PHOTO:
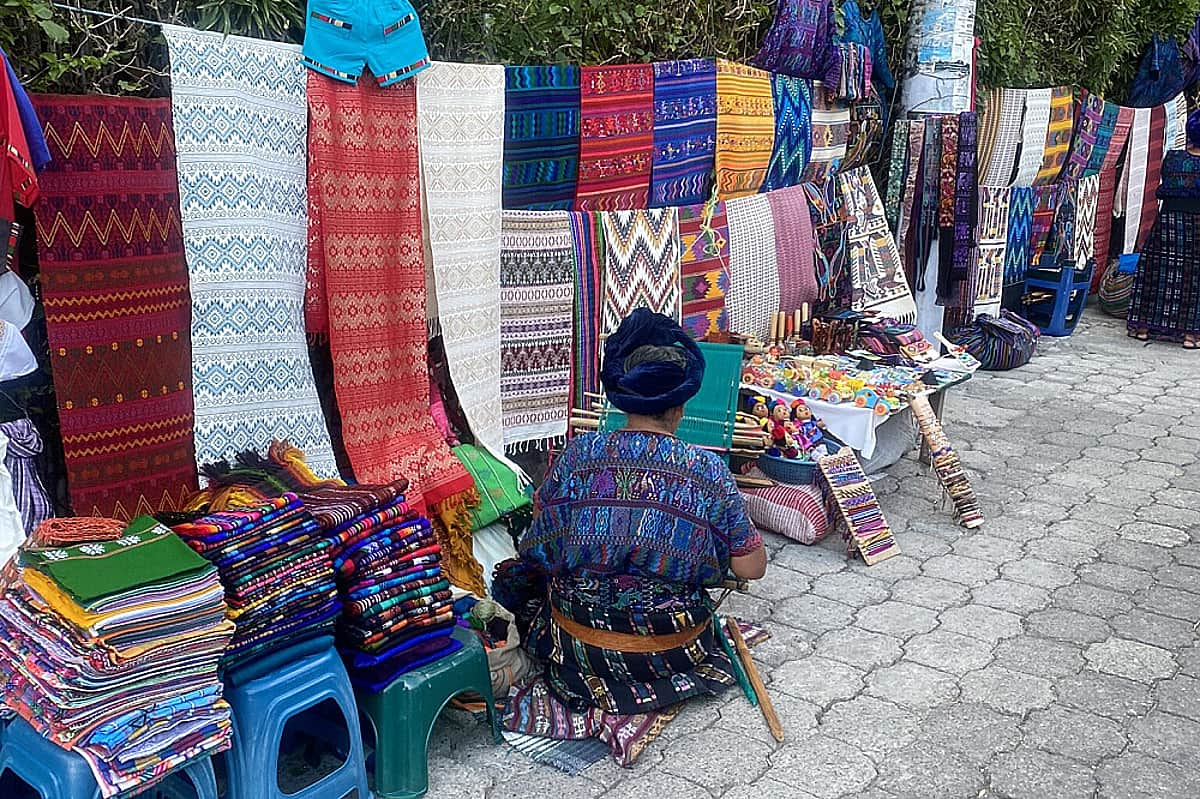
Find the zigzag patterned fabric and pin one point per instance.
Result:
(876, 274)
(115, 286)
(587, 239)
(366, 215)
(541, 137)
(1087, 194)
(1020, 226)
(830, 134)
(1058, 134)
(616, 131)
(460, 121)
(704, 270)
(753, 270)
(745, 129)
(240, 125)
(641, 264)
(685, 132)
(794, 245)
(537, 299)
(793, 131)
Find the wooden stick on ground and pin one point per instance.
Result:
(764, 699)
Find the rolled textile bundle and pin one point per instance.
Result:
(83, 623)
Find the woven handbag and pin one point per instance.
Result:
(999, 343)
(500, 491)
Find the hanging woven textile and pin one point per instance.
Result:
(745, 129)
(1160, 75)
(1136, 177)
(240, 124)
(864, 134)
(1046, 200)
(642, 256)
(993, 240)
(1020, 224)
(118, 313)
(1087, 135)
(1058, 134)
(460, 124)
(587, 239)
(685, 132)
(1033, 136)
(1118, 136)
(753, 272)
(910, 209)
(704, 269)
(1086, 193)
(830, 133)
(616, 137)
(363, 154)
(965, 207)
(1002, 156)
(798, 41)
(876, 274)
(793, 248)
(830, 252)
(537, 292)
(541, 137)
(793, 131)
(895, 174)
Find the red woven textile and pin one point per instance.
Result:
(616, 137)
(364, 199)
(118, 311)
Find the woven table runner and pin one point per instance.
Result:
(616, 147)
(745, 128)
(641, 264)
(118, 313)
(792, 98)
(541, 136)
(794, 245)
(1135, 177)
(876, 274)
(587, 239)
(1033, 136)
(988, 284)
(240, 124)
(704, 269)
(685, 132)
(537, 291)
(1002, 155)
(1117, 132)
(1059, 128)
(753, 271)
(1087, 135)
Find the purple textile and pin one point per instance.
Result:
(39, 153)
(798, 41)
(964, 202)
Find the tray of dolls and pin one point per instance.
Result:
(795, 471)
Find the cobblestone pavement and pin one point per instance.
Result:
(1053, 654)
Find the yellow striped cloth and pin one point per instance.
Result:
(1058, 135)
(745, 128)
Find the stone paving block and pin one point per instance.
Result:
(874, 726)
(972, 729)
(913, 685)
(1134, 775)
(1062, 550)
(1177, 576)
(739, 717)
(922, 545)
(851, 588)
(930, 592)
(983, 546)
(765, 788)
(1169, 601)
(920, 770)
(813, 613)
(541, 781)
(1146, 532)
(1042, 657)
(1091, 599)
(1104, 694)
(655, 785)
(1165, 736)
(707, 759)
(959, 569)
(786, 643)
(1041, 573)
(890, 571)
(898, 619)
(1012, 596)
(823, 766)
(982, 622)
(1154, 629)
(860, 648)
(1006, 690)
(812, 561)
(1068, 625)
(1167, 516)
(779, 584)
(1075, 734)
(1084, 532)
(948, 651)
(1131, 659)
(1114, 576)
(1030, 774)
(818, 680)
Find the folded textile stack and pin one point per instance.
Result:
(111, 649)
(274, 560)
(397, 610)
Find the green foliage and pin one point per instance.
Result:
(1094, 43)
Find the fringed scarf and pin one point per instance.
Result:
(616, 148)
(118, 312)
(685, 132)
(541, 137)
(364, 174)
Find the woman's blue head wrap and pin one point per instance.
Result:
(650, 365)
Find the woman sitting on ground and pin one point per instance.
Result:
(631, 527)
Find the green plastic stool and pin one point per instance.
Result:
(403, 715)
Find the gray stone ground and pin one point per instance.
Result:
(1053, 654)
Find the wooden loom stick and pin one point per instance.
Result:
(760, 690)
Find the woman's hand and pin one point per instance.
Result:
(751, 566)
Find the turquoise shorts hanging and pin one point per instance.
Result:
(385, 35)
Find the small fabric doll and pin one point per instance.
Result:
(783, 442)
(809, 431)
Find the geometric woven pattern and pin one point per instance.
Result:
(460, 121)
(1058, 134)
(537, 292)
(685, 132)
(753, 271)
(541, 137)
(642, 256)
(240, 123)
(616, 132)
(1033, 136)
(115, 285)
(704, 271)
(993, 238)
(1002, 156)
(793, 131)
(745, 128)
(830, 133)
(876, 274)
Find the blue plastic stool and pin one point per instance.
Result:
(403, 715)
(264, 695)
(56, 773)
(1058, 315)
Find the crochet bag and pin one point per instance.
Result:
(999, 343)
